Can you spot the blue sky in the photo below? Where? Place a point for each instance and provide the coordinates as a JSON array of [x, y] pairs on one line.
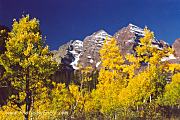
[[64, 20]]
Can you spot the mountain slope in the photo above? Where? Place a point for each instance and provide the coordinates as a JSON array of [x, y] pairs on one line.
[[77, 53]]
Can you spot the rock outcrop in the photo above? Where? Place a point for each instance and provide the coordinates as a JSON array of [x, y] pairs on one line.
[[91, 46], [77, 53], [176, 47]]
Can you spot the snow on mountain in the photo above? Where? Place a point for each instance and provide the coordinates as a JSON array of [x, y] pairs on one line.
[[137, 30], [155, 43], [101, 34], [75, 62], [91, 46], [170, 57], [86, 52], [98, 63], [140, 32], [76, 51], [77, 44]]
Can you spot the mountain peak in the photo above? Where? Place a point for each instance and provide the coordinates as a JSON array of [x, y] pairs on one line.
[[135, 29], [101, 33], [86, 52]]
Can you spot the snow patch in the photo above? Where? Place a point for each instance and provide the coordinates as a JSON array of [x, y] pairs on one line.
[[88, 56], [98, 63], [102, 35], [77, 43], [73, 52], [156, 46], [91, 61], [137, 30], [170, 57], [76, 52], [130, 41], [75, 62]]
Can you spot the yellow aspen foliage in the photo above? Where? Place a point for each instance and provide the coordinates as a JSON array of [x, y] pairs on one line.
[[3, 39], [149, 53], [82, 102], [8, 113], [125, 88], [173, 67], [85, 77], [62, 103], [85, 72], [136, 90], [110, 79], [172, 91], [134, 64], [113, 77], [145, 49], [107, 96], [27, 62], [111, 62], [52, 104], [143, 88], [110, 55]]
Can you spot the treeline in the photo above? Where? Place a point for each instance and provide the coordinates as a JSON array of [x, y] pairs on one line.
[[138, 86]]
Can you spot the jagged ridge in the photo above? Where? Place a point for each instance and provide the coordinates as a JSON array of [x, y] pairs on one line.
[[86, 52]]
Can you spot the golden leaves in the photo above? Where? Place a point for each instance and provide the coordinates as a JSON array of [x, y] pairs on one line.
[[29, 61]]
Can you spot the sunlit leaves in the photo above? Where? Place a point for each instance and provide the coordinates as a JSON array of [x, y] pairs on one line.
[[172, 91], [28, 60]]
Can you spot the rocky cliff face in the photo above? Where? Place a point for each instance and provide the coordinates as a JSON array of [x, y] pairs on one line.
[[129, 33], [69, 53], [84, 53], [91, 46], [68, 56], [76, 49], [176, 47], [129, 37]]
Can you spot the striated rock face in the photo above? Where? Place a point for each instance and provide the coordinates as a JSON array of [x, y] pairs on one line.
[[67, 55], [60, 53], [163, 44], [84, 53], [91, 46], [131, 32], [75, 53], [176, 47], [129, 37], [172, 61]]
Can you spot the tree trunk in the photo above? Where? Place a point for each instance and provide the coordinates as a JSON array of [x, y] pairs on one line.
[[28, 97], [32, 108]]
